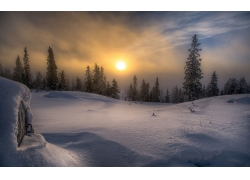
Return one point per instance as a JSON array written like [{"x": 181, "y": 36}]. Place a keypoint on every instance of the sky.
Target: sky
[{"x": 151, "y": 43}]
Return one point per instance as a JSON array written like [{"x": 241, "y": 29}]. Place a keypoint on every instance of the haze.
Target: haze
[{"x": 152, "y": 44}]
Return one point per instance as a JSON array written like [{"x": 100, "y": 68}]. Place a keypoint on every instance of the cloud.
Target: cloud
[{"x": 151, "y": 43}]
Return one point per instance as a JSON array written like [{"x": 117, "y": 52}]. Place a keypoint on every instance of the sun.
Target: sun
[{"x": 120, "y": 65}]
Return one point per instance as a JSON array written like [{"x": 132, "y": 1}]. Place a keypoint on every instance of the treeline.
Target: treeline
[
  {"x": 93, "y": 82},
  {"x": 192, "y": 88}
]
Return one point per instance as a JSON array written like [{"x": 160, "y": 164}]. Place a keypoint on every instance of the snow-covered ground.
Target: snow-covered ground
[{"x": 82, "y": 129}]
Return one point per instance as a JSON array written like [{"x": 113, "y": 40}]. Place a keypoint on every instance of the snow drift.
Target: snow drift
[
  {"x": 83, "y": 129},
  {"x": 34, "y": 150}
]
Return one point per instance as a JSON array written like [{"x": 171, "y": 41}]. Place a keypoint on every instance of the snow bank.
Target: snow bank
[
  {"x": 244, "y": 100},
  {"x": 11, "y": 95},
  {"x": 34, "y": 150}
]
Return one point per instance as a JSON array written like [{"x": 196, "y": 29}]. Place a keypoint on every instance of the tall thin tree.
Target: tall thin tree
[
  {"x": 26, "y": 70},
  {"x": 193, "y": 74},
  {"x": 51, "y": 74}
]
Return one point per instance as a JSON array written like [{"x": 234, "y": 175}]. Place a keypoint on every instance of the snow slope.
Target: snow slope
[
  {"x": 108, "y": 132},
  {"x": 82, "y": 129}
]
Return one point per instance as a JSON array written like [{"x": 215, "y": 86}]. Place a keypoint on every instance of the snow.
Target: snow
[{"x": 83, "y": 129}]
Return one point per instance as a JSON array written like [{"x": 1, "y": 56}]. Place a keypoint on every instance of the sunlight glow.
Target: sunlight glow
[{"x": 120, "y": 65}]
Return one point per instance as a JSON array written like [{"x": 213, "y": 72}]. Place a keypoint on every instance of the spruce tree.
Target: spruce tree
[
  {"x": 167, "y": 97},
  {"x": 231, "y": 87},
  {"x": 62, "y": 85},
  {"x": 88, "y": 80},
  {"x": 129, "y": 92},
  {"x": 192, "y": 86},
  {"x": 243, "y": 86},
  {"x": 143, "y": 91},
  {"x": 1, "y": 70},
  {"x": 78, "y": 84},
  {"x": 115, "y": 90},
  {"x": 134, "y": 89},
  {"x": 96, "y": 79},
  {"x": 38, "y": 83},
  {"x": 51, "y": 74},
  {"x": 26, "y": 70},
  {"x": 108, "y": 90},
  {"x": 18, "y": 71},
  {"x": 156, "y": 91},
  {"x": 212, "y": 88}
]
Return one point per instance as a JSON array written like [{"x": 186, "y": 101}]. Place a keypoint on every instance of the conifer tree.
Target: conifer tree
[
  {"x": 1, "y": 70},
  {"x": 243, "y": 86},
  {"x": 156, "y": 91},
  {"x": 62, "y": 85},
  {"x": 231, "y": 87},
  {"x": 129, "y": 92},
  {"x": 96, "y": 79},
  {"x": 212, "y": 88},
  {"x": 18, "y": 71},
  {"x": 38, "y": 83},
  {"x": 108, "y": 90},
  {"x": 51, "y": 74},
  {"x": 134, "y": 89},
  {"x": 175, "y": 95},
  {"x": 115, "y": 90},
  {"x": 143, "y": 91},
  {"x": 78, "y": 84},
  {"x": 102, "y": 79},
  {"x": 88, "y": 80},
  {"x": 167, "y": 97},
  {"x": 192, "y": 86},
  {"x": 26, "y": 70}
]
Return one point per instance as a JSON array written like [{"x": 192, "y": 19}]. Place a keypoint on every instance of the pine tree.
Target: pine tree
[
  {"x": 102, "y": 79},
  {"x": 115, "y": 90},
  {"x": 44, "y": 84},
  {"x": 193, "y": 74},
  {"x": 167, "y": 97},
  {"x": 129, "y": 92},
  {"x": 143, "y": 91},
  {"x": 1, "y": 70},
  {"x": 78, "y": 84},
  {"x": 175, "y": 95},
  {"x": 180, "y": 96},
  {"x": 212, "y": 88},
  {"x": 88, "y": 80},
  {"x": 231, "y": 87},
  {"x": 243, "y": 86},
  {"x": 134, "y": 89},
  {"x": 18, "y": 70},
  {"x": 108, "y": 90},
  {"x": 156, "y": 91},
  {"x": 62, "y": 85},
  {"x": 96, "y": 79},
  {"x": 26, "y": 70},
  {"x": 38, "y": 83},
  {"x": 51, "y": 74}
]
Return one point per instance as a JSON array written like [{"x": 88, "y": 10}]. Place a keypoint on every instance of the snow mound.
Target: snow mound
[
  {"x": 244, "y": 100},
  {"x": 55, "y": 94},
  {"x": 33, "y": 150},
  {"x": 231, "y": 101},
  {"x": 12, "y": 94}
]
